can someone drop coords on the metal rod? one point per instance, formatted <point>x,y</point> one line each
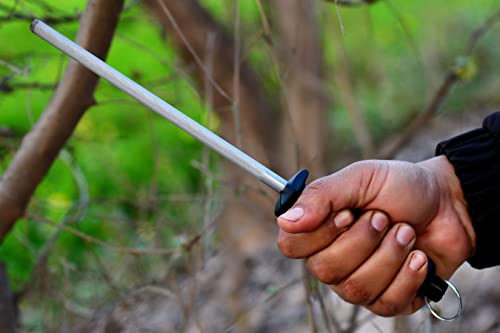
<point>158,105</point>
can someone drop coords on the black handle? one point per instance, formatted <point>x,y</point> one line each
<point>433,287</point>
<point>291,192</point>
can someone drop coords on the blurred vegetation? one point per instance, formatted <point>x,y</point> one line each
<point>142,177</point>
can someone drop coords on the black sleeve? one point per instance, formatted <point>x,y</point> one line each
<point>475,156</point>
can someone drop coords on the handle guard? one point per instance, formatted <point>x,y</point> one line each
<point>291,192</point>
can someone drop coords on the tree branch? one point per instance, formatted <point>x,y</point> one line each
<point>46,19</point>
<point>72,98</point>
<point>6,87</point>
<point>189,25</point>
<point>453,77</point>
<point>351,3</point>
<point>117,248</point>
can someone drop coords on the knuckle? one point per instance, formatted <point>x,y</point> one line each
<point>316,185</point>
<point>354,292</point>
<point>386,309</point>
<point>286,246</point>
<point>323,272</point>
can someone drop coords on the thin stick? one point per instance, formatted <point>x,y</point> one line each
<point>350,3</point>
<point>191,50</point>
<point>69,218</point>
<point>340,17</point>
<point>324,311</point>
<point>265,21</point>
<point>236,74</point>
<point>246,313</point>
<point>94,240</point>
<point>449,82</point>
<point>306,280</point>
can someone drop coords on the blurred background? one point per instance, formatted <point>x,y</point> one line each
<point>113,220</point>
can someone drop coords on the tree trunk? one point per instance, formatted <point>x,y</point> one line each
<point>74,95</point>
<point>8,307</point>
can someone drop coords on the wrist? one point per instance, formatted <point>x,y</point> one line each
<point>451,193</point>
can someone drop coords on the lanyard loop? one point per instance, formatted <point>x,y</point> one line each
<point>436,313</point>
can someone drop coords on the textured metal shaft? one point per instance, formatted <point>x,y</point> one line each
<point>158,105</point>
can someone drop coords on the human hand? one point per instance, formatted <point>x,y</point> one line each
<point>371,263</point>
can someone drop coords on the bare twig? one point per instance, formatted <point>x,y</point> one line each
<point>269,298</point>
<point>46,7</point>
<point>324,312</point>
<point>452,78</point>
<point>209,201</point>
<point>344,80</point>
<point>353,320</point>
<point>7,87</point>
<point>351,3</point>
<point>107,277</point>
<point>493,327</point>
<point>263,17</point>
<point>163,291</point>
<point>14,68</point>
<point>90,239</point>
<point>47,19</point>
<point>146,49</point>
<point>341,22</point>
<point>411,40</point>
<point>80,206</point>
<point>191,49</point>
<point>304,132</point>
<point>307,282</point>
<point>236,74</point>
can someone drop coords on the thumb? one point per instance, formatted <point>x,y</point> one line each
<point>346,189</point>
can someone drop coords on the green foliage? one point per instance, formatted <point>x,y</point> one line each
<point>129,160</point>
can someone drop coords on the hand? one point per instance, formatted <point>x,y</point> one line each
<point>371,263</point>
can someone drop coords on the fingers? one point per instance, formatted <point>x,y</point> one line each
<point>310,210</point>
<point>363,261</point>
<point>370,280</point>
<point>352,187</point>
<point>399,297</point>
<point>350,250</point>
<point>303,245</point>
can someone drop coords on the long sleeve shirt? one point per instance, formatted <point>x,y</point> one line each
<point>475,155</point>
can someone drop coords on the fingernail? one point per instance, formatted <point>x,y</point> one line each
<point>379,221</point>
<point>293,215</point>
<point>417,261</point>
<point>405,235</point>
<point>342,219</point>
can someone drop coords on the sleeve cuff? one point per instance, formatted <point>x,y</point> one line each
<point>475,155</point>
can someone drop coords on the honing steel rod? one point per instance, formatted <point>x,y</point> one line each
<point>158,105</point>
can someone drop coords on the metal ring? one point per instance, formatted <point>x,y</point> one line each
<point>459,298</point>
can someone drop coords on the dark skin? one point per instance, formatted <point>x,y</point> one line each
<point>379,259</point>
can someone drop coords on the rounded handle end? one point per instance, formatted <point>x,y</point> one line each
<point>433,287</point>
<point>33,24</point>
